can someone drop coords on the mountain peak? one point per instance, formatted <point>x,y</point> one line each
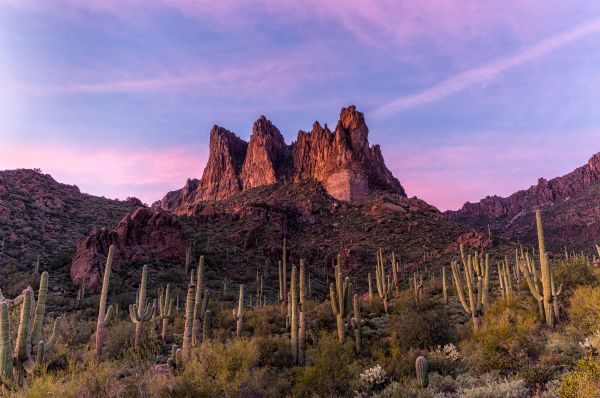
<point>342,161</point>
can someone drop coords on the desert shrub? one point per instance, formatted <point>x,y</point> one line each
<point>221,370</point>
<point>261,321</point>
<point>404,390</point>
<point>275,352</point>
<point>118,339</point>
<point>422,325</point>
<point>583,381</point>
<point>584,310</point>
<point>445,360</point>
<point>508,339</point>
<point>330,370</point>
<point>573,273</point>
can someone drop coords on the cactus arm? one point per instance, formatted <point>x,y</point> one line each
<point>53,338</point>
<point>532,287</point>
<point>133,313</point>
<point>333,300</point>
<point>459,287</point>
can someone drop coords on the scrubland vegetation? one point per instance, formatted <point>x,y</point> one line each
<point>522,325</point>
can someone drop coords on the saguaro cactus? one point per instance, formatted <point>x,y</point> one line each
<point>239,315</point>
<point>422,372</point>
<point>383,283</point>
<point>165,310</point>
<point>175,361</point>
<point>357,324</point>
<point>294,315</point>
<point>444,285</point>
<point>189,318</point>
<point>200,304</point>
<point>14,368</point>
<point>370,281</point>
<point>104,315</point>
<point>477,278</point>
<point>505,282</point>
<point>548,295</point>
<point>206,326</point>
<point>141,311</point>
<point>340,300</point>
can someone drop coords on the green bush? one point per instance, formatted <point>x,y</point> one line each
<point>583,381</point>
<point>330,370</point>
<point>584,310</point>
<point>508,340</point>
<point>422,325</point>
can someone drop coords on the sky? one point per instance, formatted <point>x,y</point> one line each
<point>467,98</point>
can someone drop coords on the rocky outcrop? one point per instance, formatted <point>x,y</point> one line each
<point>569,205</point>
<point>265,158</point>
<point>342,161</point>
<point>141,236</point>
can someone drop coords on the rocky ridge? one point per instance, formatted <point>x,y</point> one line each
<point>570,204</point>
<point>342,160</point>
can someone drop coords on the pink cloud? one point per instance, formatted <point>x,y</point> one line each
<point>110,171</point>
<point>450,172</point>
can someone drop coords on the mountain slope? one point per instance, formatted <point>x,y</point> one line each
<point>41,217</point>
<point>570,205</point>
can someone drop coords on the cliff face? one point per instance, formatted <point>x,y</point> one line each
<point>574,194</point>
<point>140,236</point>
<point>342,161</point>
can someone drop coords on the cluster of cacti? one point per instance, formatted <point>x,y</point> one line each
<point>14,366</point>
<point>201,298</point>
<point>141,311</point>
<point>505,281</point>
<point>297,320</point>
<point>477,278</point>
<point>416,285</point>
<point>239,314</point>
<point>548,298</point>
<point>103,314</point>
<point>175,361</point>
<point>421,368</point>
<point>341,299</point>
<point>383,282</point>
<point>165,310</point>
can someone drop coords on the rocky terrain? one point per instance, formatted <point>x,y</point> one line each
<point>327,194</point>
<point>41,217</point>
<point>341,160</point>
<point>570,205</point>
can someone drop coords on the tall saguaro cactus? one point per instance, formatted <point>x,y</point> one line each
<point>189,319</point>
<point>477,278</point>
<point>383,283</point>
<point>548,298</point>
<point>341,298</point>
<point>165,310</point>
<point>357,324</point>
<point>200,304</point>
<point>294,315</point>
<point>104,315</point>
<point>239,315</point>
<point>141,311</point>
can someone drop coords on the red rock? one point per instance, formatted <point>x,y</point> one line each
<point>342,161</point>
<point>144,235</point>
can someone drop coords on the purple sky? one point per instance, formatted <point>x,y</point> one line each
<point>467,98</point>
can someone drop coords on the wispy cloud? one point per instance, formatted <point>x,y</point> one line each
<point>489,71</point>
<point>111,172</point>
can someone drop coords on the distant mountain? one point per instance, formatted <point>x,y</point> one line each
<point>570,205</point>
<point>41,217</point>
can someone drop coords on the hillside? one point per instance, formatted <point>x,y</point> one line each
<point>570,204</point>
<point>41,217</point>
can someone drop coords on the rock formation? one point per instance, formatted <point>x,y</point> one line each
<point>342,161</point>
<point>141,236</point>
<point>569,201</point>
